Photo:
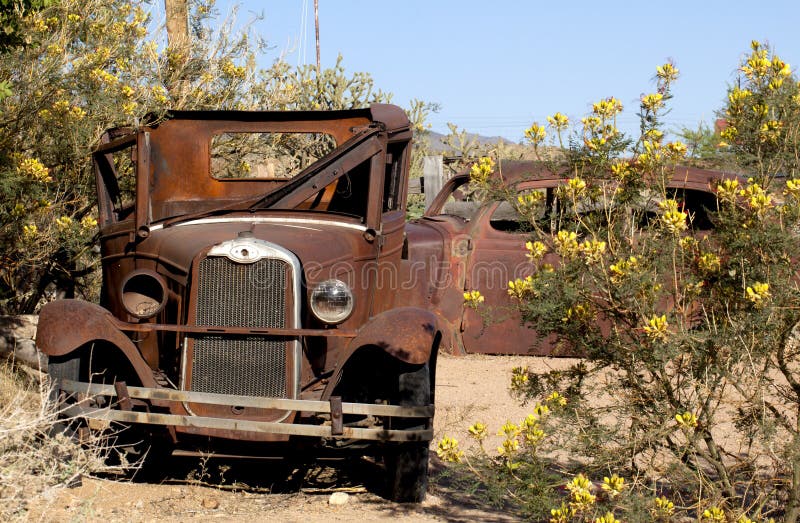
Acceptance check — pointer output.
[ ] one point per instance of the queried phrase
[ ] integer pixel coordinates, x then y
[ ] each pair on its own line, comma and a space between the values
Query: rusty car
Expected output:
465, 244
251, 273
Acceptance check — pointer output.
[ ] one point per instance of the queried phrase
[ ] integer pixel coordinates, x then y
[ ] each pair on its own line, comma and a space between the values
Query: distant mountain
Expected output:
437, 141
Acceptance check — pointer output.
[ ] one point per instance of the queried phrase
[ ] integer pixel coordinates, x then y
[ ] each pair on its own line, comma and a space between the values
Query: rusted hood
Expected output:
315, 239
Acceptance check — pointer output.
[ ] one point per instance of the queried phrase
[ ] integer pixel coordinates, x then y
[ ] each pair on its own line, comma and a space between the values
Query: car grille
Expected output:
240, 295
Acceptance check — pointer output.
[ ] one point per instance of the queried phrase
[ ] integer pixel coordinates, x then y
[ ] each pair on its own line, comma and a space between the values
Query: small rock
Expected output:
139, 504
210, 503
339, 498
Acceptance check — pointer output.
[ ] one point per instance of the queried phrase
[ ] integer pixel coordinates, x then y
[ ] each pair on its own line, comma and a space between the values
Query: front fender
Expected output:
407, 333
66, 325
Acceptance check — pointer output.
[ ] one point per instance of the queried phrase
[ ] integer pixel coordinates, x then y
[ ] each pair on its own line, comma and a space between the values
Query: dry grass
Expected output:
35, 459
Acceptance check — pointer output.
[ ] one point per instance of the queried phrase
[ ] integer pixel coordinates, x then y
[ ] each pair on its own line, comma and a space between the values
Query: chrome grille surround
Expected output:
241, 283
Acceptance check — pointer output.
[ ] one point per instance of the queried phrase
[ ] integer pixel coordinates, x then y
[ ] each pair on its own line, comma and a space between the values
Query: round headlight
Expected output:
332, 301
144, 293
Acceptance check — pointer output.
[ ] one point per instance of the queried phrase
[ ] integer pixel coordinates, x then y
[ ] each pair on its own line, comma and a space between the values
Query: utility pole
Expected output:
316, 29
177, 12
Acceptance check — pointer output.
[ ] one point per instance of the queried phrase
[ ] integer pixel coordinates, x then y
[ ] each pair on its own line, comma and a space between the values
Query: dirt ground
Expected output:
468, 389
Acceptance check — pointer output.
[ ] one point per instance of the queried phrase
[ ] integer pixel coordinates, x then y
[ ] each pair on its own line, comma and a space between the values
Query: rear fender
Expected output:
66, 325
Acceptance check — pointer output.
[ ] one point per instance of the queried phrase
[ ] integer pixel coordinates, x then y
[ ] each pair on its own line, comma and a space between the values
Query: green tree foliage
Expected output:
691, 383
88, 65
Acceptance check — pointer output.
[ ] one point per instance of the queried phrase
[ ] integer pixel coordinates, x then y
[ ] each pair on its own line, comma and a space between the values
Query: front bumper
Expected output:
122, 411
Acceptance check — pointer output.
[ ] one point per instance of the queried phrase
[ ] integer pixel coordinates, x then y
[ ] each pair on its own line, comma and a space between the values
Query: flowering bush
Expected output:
688, 330
74, 68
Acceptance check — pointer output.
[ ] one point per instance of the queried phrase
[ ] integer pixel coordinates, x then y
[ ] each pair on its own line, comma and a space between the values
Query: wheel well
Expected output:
368, 375
102, 362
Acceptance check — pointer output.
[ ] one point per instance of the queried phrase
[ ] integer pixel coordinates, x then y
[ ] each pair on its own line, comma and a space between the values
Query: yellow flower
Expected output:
535, 134
520, 288
688, 243
667, 72
686, 420
792, 189
509, 430
727, 190
608, 518
77, 112
34, 169
757, 198
770, 131
482, 169
621, 170
448, 450
593, 251
30, 231
651, 102
525, 202
714, 514
613, 485
536, 250
673, 220
159, 94
579, 482
574, 189
556, 399
101, 76
729, 135
127, 91
736, 95
620, 270
663, 507
473, 299
479, 431
581, 493
63, 223
563, 514
519, 378
531, 432
607, 108
566, 244
656, 327
708, 263
558, 121
129, 107
580, 313
88, 222
758, 293
509, 447
677, 148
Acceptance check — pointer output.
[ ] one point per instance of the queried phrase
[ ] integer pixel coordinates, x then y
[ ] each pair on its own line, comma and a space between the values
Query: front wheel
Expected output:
407, 463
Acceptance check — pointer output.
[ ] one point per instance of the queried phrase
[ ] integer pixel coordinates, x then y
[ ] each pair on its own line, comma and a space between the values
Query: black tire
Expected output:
407, 463
67, 367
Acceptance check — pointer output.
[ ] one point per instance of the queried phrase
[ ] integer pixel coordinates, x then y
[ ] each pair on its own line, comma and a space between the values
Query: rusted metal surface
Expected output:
324, 407
235, 426
459, 238
123, 396
337, 416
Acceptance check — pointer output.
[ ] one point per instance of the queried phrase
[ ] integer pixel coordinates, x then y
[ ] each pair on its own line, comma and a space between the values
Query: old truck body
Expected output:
243, 297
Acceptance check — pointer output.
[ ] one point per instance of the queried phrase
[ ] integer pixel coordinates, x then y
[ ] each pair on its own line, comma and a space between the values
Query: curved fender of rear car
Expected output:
66, 325
407, 333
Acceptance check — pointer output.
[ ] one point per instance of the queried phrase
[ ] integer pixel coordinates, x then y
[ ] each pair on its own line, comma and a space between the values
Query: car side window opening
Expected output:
395, 157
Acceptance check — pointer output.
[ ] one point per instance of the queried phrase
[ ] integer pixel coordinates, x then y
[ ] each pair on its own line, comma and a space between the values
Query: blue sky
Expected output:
497, 66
